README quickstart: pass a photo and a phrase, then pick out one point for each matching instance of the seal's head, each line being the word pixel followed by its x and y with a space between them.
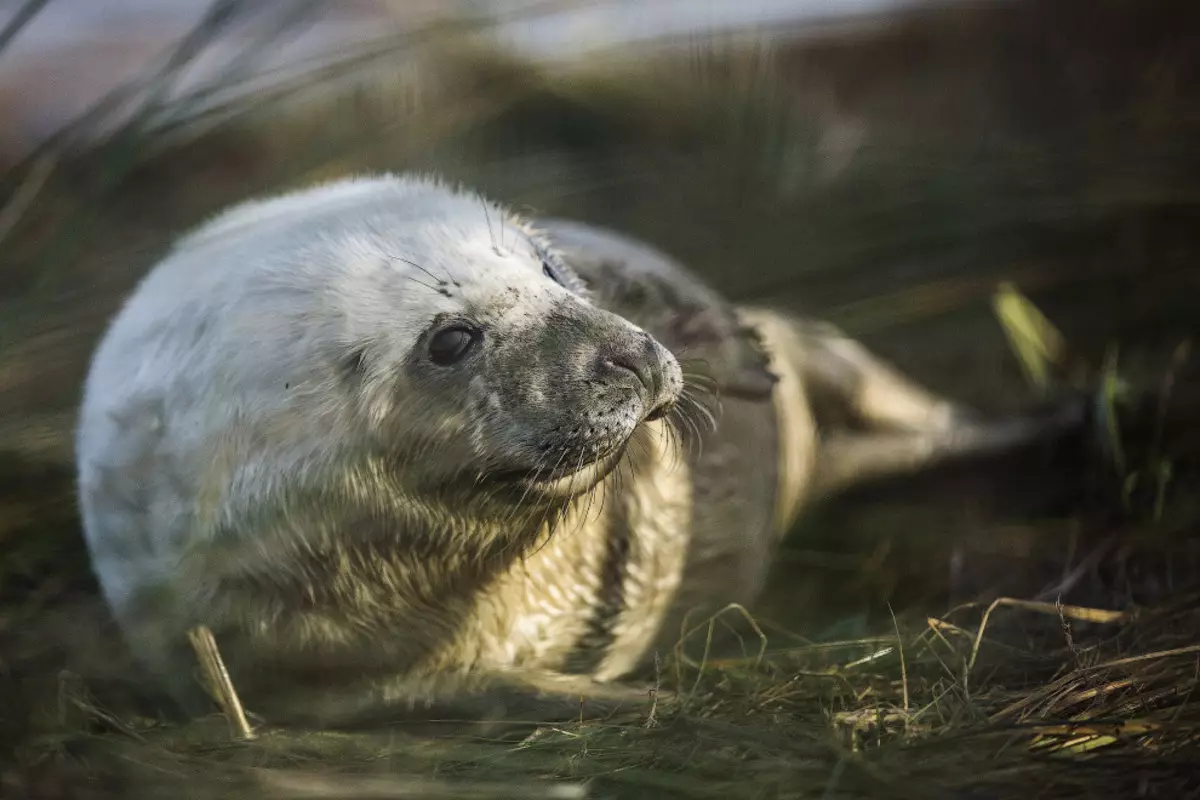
pixel 470 350
pixel 538 389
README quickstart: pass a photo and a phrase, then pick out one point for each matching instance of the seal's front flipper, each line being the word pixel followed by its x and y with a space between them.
pixel 488 703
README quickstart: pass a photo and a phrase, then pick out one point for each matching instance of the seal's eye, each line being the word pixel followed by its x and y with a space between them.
pixel 450 345
pixel 553 274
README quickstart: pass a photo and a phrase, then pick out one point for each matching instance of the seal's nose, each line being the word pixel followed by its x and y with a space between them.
pixel 642 359
pixel 640 369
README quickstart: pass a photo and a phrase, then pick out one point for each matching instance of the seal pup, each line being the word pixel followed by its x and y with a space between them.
pixel 401 449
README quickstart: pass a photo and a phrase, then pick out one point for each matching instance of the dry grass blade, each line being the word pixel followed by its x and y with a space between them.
pixel 1037 343
pixel 22 17
pixel 27 191
pixel 218 682
pixel 903 663
pixel 1078 613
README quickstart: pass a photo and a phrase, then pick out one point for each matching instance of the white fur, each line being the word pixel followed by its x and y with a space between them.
pixel 273 285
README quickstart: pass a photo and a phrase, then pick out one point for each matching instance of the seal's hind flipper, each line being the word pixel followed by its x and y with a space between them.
pixel 848 459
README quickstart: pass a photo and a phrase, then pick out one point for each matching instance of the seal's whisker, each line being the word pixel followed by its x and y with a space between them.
pixel 505 218
pixel 528 486
pixel 675 438
pixel 702 379
pixel 381 239
pixel 663 438
pixel 698 418
pixel 699 384
pixel 700 397
pixel 440 281
pixel 547 507
pixel 641 447
pixel 554 514
pixel 689 399
pixel 423 284
pixel 602 493
pixel 488 218
pixel 688 361
pixel 680 428
pixel 680 414
pixel 542 464
pixel 590 496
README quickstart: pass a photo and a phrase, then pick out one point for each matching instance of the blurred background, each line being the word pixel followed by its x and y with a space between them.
pixel 882 164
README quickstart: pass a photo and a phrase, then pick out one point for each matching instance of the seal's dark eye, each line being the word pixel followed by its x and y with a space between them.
pixel 450 345
pixel 553 274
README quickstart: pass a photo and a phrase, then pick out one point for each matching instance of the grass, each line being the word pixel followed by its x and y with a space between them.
pixel 1107 705
pixel 1023 628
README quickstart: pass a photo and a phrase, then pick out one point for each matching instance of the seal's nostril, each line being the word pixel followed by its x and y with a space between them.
pixel 640 369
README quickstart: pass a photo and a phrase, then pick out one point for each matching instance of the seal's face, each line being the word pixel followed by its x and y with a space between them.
pixel 554 395
pixel 510 378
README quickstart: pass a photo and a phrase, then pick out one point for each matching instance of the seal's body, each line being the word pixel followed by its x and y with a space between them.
pixel 394 445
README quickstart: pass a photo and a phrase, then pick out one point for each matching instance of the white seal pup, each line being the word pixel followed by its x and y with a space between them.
pixel 397 447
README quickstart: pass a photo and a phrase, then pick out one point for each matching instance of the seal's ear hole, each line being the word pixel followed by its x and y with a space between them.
pixel 551 272
pixel 564 276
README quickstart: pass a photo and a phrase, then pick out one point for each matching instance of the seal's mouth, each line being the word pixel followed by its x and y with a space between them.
pixel 661 410
pixel 546 476
pixel 576 468
pixel 566 481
